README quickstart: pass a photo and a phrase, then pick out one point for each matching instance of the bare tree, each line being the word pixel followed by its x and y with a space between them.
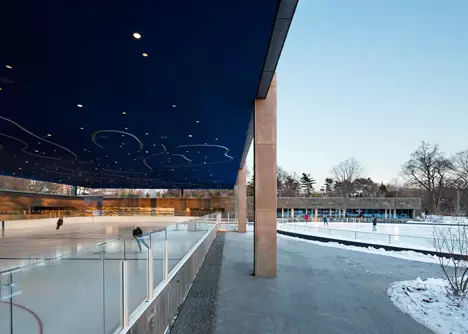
pixel 459 171
pixel 346 173
pixel 428 169
pixel 453 241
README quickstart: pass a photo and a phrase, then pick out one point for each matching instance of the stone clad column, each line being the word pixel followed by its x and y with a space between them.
pixel 242 200
pixel 265 184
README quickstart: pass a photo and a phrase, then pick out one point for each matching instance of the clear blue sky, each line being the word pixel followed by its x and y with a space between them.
pixel 372 79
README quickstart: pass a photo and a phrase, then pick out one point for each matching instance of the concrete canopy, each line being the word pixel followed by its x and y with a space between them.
pixel 135 94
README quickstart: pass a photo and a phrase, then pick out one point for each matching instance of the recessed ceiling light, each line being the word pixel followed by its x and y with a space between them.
pixel 79 105
pixel 82 128
pixel 124 113
pixel 49 135
pixel 198 121
pixel 190 136
pixel 136 35
pixel 216 138
pixel 144 54
pixel 146 151
pixel 1 89
pixel 8 66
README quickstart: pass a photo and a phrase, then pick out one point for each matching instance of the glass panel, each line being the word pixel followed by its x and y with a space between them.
pixel 111 284
pixel 6 290
pixel 61 296
pixel 157 244
pixel 136 254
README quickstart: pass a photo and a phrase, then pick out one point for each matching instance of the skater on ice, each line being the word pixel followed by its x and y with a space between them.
pixel 325 221
pixel 138 235
pixel 374 224
pixel 59 223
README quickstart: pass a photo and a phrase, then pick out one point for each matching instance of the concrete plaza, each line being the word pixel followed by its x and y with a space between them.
pixel 317 290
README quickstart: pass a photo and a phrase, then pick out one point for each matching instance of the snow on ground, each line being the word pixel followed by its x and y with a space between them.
pixel 441 220
pixel 405 255
pixel 428 303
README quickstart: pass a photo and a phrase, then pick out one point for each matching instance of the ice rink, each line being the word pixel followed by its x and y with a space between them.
pixel 410 236
pixel 80 292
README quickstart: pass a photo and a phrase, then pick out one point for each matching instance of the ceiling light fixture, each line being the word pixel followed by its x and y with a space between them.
pixel 8 66
pixel 82 128
pixel 136 35
pixel 173 106
pixel 124 113
pixel 190 136
pixel 144 54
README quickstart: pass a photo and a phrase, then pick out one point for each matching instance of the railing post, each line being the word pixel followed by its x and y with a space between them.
pixel 124 294
pixel 166 258
pixel 150 273
pixel 102 251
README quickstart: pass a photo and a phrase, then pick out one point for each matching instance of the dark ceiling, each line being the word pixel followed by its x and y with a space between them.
pixel 84 102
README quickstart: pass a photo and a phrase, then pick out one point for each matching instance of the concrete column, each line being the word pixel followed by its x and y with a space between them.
pixel 242 200
pixel 385 213
pixel 282 212
pixel 414 214
pixel 330 213
pixel 344 213
pixel 292 213
pixel 265 247
pixel 394 213
pixel 316 213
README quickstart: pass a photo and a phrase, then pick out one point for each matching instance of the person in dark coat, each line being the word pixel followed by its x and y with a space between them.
pixel 59 223
pixel 138 235
pixel 325 221
pixel 374 223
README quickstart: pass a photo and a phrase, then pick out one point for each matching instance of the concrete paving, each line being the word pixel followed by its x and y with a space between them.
pixel 318 290
pixel 80 293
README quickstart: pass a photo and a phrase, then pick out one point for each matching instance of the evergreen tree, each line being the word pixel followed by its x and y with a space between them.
pixel 307 184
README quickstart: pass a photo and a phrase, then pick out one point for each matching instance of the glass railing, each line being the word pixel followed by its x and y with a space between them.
pixel 368 237
pixel 96 290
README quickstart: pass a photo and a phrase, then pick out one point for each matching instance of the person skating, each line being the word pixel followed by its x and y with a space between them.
pixel 138 235
pixel 325 221
pixel 59 223
pixel 374 223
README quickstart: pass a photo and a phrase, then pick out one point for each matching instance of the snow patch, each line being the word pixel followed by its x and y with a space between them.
pixel 428 302
pixel 405 255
